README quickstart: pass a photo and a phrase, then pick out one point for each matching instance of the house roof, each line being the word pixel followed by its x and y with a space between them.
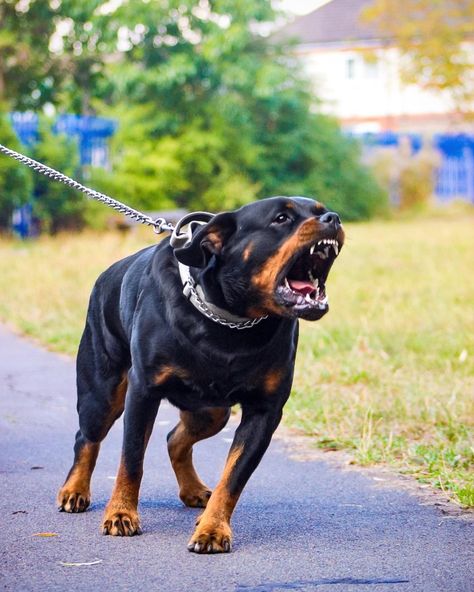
pixel 336 21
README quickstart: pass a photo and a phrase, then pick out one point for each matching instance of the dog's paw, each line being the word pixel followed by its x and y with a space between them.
pixel 211 539
pixel 195 499
pixel 70 500
pixel 121 523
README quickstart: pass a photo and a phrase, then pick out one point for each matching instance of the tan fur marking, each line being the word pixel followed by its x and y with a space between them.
pixel 272 381
pixel 213 528
pixel 192 491
pixel 118 401
pixel 167 372
pixel 214 237
pixel 121 515
pixel 266 278
pixel 126 489
pixel 247 251
pixel 74 495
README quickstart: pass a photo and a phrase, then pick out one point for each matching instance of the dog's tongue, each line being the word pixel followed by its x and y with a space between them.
pixel 302 287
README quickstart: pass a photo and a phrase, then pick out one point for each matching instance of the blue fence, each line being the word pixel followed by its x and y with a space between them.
pixel 455 174
pixel 91 134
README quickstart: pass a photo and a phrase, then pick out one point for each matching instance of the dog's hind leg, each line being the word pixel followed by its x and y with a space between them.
pixel 193 427
pixel 100 402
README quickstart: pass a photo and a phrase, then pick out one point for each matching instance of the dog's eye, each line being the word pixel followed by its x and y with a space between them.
pixel 281 219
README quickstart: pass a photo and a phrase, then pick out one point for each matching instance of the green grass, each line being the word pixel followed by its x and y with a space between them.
pixel 388 374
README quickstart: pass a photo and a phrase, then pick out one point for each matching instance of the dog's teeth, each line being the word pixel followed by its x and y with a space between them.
pixel 319 242
pixel 336 248
pixel 287 285
pixel 308 299
pixel 311 250
pixel 314 280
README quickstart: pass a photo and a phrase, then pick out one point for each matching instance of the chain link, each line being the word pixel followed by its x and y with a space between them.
pixel 159 224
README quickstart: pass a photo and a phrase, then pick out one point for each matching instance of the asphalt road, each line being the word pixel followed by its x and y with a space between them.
pixel 299 525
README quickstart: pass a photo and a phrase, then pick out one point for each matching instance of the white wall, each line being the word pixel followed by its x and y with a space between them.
pixel 353 88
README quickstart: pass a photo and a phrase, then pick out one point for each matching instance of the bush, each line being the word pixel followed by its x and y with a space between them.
pixel 417 179
pixel 339 179
pixel 15 178
pixel 224 164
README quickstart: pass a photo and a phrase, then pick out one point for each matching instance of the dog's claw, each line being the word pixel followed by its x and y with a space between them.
pixel 121 525
pixel 73 501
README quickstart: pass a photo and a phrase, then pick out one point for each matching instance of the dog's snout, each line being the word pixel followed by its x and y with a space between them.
pixel 330 218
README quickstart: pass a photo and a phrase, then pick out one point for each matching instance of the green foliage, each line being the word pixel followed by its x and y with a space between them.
pixel 212 114
pixel 338 177
pixel 220 116
pixel 55 204
pixel 15 178
pixel 27 74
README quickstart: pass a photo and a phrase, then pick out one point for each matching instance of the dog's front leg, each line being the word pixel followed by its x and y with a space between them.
pixel 213 533
pixel 121 515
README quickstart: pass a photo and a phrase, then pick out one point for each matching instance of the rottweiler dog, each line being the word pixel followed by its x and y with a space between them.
pixel 230 338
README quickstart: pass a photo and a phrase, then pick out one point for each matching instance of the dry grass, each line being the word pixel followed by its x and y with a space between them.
pixel 388 374
pixel 46 283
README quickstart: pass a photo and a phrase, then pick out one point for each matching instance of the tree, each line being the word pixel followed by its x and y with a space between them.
pixel 211 114
pixel 27 73
pixel 436 39
pixel 218 115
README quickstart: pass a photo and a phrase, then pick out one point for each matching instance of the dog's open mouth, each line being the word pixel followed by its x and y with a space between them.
pixel 302 284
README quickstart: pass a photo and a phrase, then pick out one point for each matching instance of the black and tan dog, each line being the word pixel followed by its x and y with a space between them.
pixel 145 341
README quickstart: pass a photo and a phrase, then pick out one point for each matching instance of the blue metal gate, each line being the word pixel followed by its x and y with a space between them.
pixel 90 133
pixel 455 174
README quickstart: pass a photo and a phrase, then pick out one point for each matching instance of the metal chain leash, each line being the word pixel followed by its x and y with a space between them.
pixel 201 305
pixel 159 224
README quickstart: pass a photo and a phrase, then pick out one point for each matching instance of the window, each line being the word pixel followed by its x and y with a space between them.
pixel 350 68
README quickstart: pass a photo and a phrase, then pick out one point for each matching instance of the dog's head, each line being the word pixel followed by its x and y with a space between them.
pixel 270 257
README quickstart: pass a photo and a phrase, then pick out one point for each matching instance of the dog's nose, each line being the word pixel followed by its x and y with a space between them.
pixel 330 218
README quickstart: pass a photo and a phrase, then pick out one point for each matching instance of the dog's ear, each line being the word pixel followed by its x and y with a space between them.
pixel 207 241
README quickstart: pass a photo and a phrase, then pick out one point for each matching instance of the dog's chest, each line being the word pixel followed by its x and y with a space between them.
pixel 217 383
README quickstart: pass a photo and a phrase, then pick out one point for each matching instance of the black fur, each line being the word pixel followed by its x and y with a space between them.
pixel 141 328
